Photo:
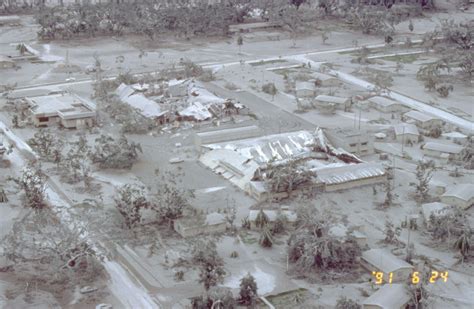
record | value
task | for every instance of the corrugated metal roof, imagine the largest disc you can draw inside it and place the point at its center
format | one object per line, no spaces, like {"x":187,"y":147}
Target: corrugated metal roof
{"x":446,"y":148}
{"x":464,"y":191}
{"x":351,"y":172}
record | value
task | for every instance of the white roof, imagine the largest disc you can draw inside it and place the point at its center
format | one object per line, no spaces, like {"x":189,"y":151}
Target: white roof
{"x":51,"y":105}
{"x":214,"y":218}
{"x":197,"y":111}
{"x":406,"y":128}
{"x":384,"y":261}
{"x":281,"y":147}
{"x":146,"y":107}
{"x":304,"y":86}
{"x":198,"y":94}
{"x":416,"y":115}
{"x":389,"y":296}
{"x":454,"y":134}
{"x":273,"y":214}
{"x":446,"y":148}
{"x":435,"y":208}
{"x":331,"y":99}
{"x":381,"y":101}
{"x":349,"y":172}
{"x":463,"y":191}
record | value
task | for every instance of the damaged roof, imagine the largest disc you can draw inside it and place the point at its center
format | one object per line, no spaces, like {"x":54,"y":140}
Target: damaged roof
{"x":145,"y":107}
{"x":277,"y":146}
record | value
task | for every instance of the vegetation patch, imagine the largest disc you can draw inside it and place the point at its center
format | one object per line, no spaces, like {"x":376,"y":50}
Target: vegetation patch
{"x":259,"y":63}
{"x":402,"y":58}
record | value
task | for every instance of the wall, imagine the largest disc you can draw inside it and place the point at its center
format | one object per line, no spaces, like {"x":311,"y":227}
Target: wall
{"x":454,"y":201}
{"x":408,"y":137}
{"x":355,"y":183}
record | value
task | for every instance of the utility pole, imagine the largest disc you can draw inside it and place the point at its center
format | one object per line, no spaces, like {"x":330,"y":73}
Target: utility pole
{"x":360,"y":113}
{"x":403,"y":139}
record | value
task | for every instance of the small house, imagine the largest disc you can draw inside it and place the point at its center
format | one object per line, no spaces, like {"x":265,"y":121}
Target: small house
{"x":305,"y":89}
{"x":197,"y":225}
{"x":381,"y":260}
{"x":422,"y":120}
{"x":65,"y":109}
{"x":443,"y":151}
{"x":389,"y":296}
{"x":406,"y":133}
{"x":433,"y":209}
{"x":386,"y":105}
{"x":337,"y":102}
{"x":354,"y":141}
{"x":272,"y":215}
{"x":456,"y":137}
{"x":460,"y":195}
{"x":324,"y":80}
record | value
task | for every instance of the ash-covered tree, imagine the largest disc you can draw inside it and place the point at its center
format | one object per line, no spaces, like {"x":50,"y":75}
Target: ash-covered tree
{"x":347,"y":303}
{"x":463,"y":244}
{"x":279,"y":226}
{"x":448,"y":225}
{"x":130,"y":202}
{"x":261,"y":220}
{"x":270,"y":89}
{"x":388,"y":201}
{"x":419,"y":295}
{"x":45,"y":144}
{"x":240,"y":42}
{"x":248,"y":291}
{"x":311,"y":249}
{"x":391,"y":233}
{"x":288,"y":16}
{"x":32,"y":182}
{"x":45,"y":249}
{"x":76,"y":162}
{"x":423,"y":176}
{"x":266,"y":238}
{"x":287,"y":177}
{"x":170,"y":201}
{"x":111,"y":153}
{"x":216,"y":298}
{"x":211,"y":265}
{"x":370,"y":21}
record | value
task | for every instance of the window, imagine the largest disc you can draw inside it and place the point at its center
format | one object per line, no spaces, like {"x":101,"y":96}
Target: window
{"x":352,"y":145}
{"x":43,"y":119}
{"x":364,"y":144}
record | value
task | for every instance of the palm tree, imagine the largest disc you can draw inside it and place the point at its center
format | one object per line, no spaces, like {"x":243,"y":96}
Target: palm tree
{"x":463,"y":244}
{"x":261,"y":220}
{"x":266,"y":239}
